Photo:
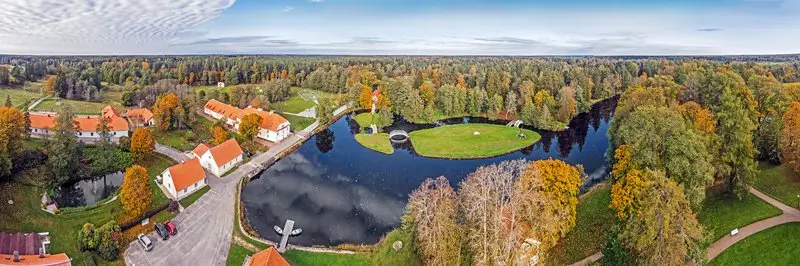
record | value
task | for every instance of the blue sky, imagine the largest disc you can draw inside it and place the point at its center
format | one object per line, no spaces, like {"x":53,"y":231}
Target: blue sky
{"x":445,"y":27}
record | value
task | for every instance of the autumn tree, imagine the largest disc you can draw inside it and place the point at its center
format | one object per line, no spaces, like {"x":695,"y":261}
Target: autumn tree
{"x":142,"y":144}
{"x":566,"y":102}
{"x":220,"y":135}
{"x":433,"y":209}
{"x":790,"y":137}
{"x":628,"y":183}
{"x":50,"y":85}
{"x":135,"y":194}
{"x":324,"y":110}
{"x":12,"y":134}
{"x":165,"y":111}
{"x":428,"y":92}
{"x":365,"y":97}
{"x":250,"y":126}
{"x":64,"y":151}
{"x":664,"y":230}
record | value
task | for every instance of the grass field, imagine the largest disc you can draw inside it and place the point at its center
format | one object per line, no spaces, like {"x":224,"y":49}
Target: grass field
{"x":722,"y":212}
{"x":25,"y":214}
{"x":378,"y":142}
{"x":80,"y":107}
{"x":237,"y":254}
{"x":460,"y":142}
{"x":779,"y":182}
{"x":187,"y":201}
{"x":295,"y":103}
{"x":592,"y":220}
{"x":304,"y":258}
{"x":18,"y":97}
{"x":298,"y":122}
{"x":775,"y":246}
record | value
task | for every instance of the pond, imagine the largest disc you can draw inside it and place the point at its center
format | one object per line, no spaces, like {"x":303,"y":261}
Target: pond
{"x":89,"y":191}
{"x":339,"y":192}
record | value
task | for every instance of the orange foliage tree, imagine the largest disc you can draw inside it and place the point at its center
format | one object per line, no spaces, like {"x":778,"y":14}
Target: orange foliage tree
{"x":50,"y":85}
{"x":220,"y":135}
{"x":790,"y":137}
{"x":702,"y":118}
{"x":365,"y":97}
{"x":165,"y":110}
{"x":12,"y":130}
{"x":427,"y":92}
{"x":135,"y":194}
{"x":250,"y":126}
{"x":142,"y":143}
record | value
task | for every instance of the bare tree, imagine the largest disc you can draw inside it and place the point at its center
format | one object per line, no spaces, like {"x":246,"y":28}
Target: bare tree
{"x":433,"y":209}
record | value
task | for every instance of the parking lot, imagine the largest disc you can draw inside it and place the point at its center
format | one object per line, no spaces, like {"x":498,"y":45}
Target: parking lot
{"x":204,"y":231}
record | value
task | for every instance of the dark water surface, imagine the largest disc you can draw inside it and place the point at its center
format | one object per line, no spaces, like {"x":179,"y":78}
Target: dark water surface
{"x":338,"y":192}
{"x":89,"y":191}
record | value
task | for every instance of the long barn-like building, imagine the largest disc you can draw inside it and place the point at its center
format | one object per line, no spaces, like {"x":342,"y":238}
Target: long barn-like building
{"x":274,"y":127}
{"x":42,"y":123}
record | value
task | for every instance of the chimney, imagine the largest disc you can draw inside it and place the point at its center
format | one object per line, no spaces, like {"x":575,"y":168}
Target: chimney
{"x":16,"y":256}
{"x":271,"y":112}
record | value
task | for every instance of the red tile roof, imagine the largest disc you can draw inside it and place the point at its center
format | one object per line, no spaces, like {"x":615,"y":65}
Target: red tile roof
{"x":226,"y":152}
{"x":186,"y":173}
{"x":269,"y":120}
{"x":24,"y":243}
{"x":268,"y":257}
{"x":224,"y":109}
{"x":109,"y":111}
{"x":143,"y":114}
{"x":59,"y":259}
{"x":200,"y":150}
{"x":83,"y":122}
{"x":44,"y":121}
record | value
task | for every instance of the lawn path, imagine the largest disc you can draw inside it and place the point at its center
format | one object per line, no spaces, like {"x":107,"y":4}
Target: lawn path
{"x":789,"y":215}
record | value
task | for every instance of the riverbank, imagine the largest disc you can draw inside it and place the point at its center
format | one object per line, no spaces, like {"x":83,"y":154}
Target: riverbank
{"x":471,"y":141}
{"x":377,"y":142}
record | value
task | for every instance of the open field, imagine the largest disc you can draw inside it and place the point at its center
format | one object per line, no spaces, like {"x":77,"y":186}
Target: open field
{"x":461,"y":142}
{"x":775,"y":246}
{"x":592,"y":220}
{"x":295,"y":103}
{"x":80,"y":107}
{"x":298,"y":122}
{"x":723,"y":212}
{"x":378,"y":142}
{"x":779,"y":182}
{"x":18,"y":97}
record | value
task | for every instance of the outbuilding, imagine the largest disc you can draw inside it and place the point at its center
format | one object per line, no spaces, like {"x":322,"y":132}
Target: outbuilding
{"x":182,"y":179}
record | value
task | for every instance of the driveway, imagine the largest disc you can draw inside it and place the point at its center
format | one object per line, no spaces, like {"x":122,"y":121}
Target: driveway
{"x":173,"y":154}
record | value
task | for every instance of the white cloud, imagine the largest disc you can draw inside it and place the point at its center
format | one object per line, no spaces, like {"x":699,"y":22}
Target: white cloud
{"x":99,"y":26}
{"x":316,"y":1}
{"x":287,"y":9}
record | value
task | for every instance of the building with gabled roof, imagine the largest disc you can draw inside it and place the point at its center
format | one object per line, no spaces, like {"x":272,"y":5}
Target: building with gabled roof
{"x":221,"y":158}
{"x":267,"y":257}
{"x":140,"y":117}
{"x":182,"y":179}
{"x":274,"y":127}
{"x":29,"y":249}
{"x":42,"y":124}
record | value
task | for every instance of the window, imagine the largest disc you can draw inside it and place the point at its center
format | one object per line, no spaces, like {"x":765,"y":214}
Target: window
{"x":91,"y":134}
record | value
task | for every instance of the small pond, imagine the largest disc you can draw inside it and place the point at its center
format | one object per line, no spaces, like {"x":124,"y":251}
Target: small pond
{"x":338,"y":192}
{"x":89,"y":191}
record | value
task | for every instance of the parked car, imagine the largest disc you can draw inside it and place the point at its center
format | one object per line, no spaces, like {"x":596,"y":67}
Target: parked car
{"x":171,"y":228}
{"x":162,"y":231}
{"x":145,"y":241}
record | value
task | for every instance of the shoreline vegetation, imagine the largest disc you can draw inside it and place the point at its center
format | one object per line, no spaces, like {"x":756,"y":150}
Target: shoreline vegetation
{"x":470,"y":141}
{"x":377,"y":142}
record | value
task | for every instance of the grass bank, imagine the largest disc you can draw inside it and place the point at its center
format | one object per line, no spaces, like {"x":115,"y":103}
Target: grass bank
{"x":298,"y":122}
{"x":592,"y":220}
{"x":723,"y":212}
{"x":19,"y":98}
{"x":461,"y":141}
{"x":187,"y":201}
{"x":378,"y":142}
{"x":775,"y":246}
{"x":366,"y":119}
{"x":80,"y":107}
{"x":779,"y":182}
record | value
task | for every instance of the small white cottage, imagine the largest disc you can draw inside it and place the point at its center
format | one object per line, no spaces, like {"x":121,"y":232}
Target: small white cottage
{"x":184,"y":178}
{"x":221,"y":158}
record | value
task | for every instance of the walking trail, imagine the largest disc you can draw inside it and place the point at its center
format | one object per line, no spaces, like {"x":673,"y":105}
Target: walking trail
{"x":789,"y":215}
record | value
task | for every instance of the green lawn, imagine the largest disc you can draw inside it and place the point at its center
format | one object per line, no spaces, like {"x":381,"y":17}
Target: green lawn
{"x":384,"y":254}
{"x":187,"y":201}
{"x":378,"y":142}
{"x":366,"y":119}
{"x":723,"y":212}
{"x":775,"y":246}
{"x":18,"y":97}
{"x":80,"y":107}
{"x":592,"y":220}
{"x":779,"y":182}
{"x":460,"y":142}
{"x":25,"y":214}
{"x":296,"y":103}
{"x":237,"y":254}
{"x":302,"y":258}
{"x":298,"y":122}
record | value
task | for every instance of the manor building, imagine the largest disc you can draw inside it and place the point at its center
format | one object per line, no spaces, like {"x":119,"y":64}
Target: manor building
{"x":274,"y":127}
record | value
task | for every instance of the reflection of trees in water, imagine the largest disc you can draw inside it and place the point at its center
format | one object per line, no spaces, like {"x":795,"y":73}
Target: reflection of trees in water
{"x":324,"y":140}
{"x":70,"y":196}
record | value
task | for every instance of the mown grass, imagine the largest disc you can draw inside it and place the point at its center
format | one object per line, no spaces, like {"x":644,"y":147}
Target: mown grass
{"x":461,"y":142}
{"x":775,"y":246}
{"x":723,"y":212}
{"x":366,"y":119}
{"x":301,"y":258}
{"x":298,"y":122}
{"x":295,"y":103}
{"x":18,"y":97}
{"x":377,"y":142}
{"x":592,"y":220}
{"x":237,"y":254}
{"x":187,"y":201}
{"x":779,"y":182}
{"x":80,"y":107}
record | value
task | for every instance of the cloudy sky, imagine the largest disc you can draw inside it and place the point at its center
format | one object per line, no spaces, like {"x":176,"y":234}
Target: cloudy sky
{"x":419,"y":27}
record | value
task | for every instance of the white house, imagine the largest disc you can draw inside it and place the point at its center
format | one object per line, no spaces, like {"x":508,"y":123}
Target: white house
{"x":140,"y":117}
{"x":220,"y":84}
{"x":221,"y":158}
{"x":86,"y":126}
{"x":274,"y":127}
{"x":184,"y":178}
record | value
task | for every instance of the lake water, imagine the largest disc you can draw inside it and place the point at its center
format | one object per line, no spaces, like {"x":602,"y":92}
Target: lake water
{"x":338,"y":192}
{"x":89,"y":191}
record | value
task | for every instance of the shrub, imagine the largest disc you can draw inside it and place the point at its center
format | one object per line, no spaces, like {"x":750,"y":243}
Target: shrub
{"x":173,"y":206}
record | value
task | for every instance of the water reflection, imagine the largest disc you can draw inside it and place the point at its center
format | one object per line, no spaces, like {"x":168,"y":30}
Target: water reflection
{"x":340,"y":192}
{"x":89,"y":191}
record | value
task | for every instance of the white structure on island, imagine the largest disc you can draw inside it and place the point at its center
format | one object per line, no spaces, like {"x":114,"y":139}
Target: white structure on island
{"x":184,"y":178}
{"x":221,"y":158}
{"x":274,"y":127}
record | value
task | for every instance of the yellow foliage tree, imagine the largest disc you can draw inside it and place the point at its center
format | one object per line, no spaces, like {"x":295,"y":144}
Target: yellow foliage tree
{"x":365,"y":97}
{"x":790,"y":137}
{"x":702,"y":118}
{"x":50,"y":85}
{"x":142,"y":143}
{"x":427,"y":92}
{"x":12,"y":130}
{"x":165,"y":110}
{"x":220,"y":135}
{"x":135,"y":194}
{"x":625,"y":193}
{"x":250,"y":126}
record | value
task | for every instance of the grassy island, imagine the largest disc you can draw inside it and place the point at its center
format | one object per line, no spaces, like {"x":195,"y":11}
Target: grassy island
{"x":461,"y":142}
{"x":378,"y":142}
{"x":366,"y":119}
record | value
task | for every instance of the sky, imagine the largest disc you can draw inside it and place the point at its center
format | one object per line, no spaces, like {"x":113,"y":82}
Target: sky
{"x":399,"y":27}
